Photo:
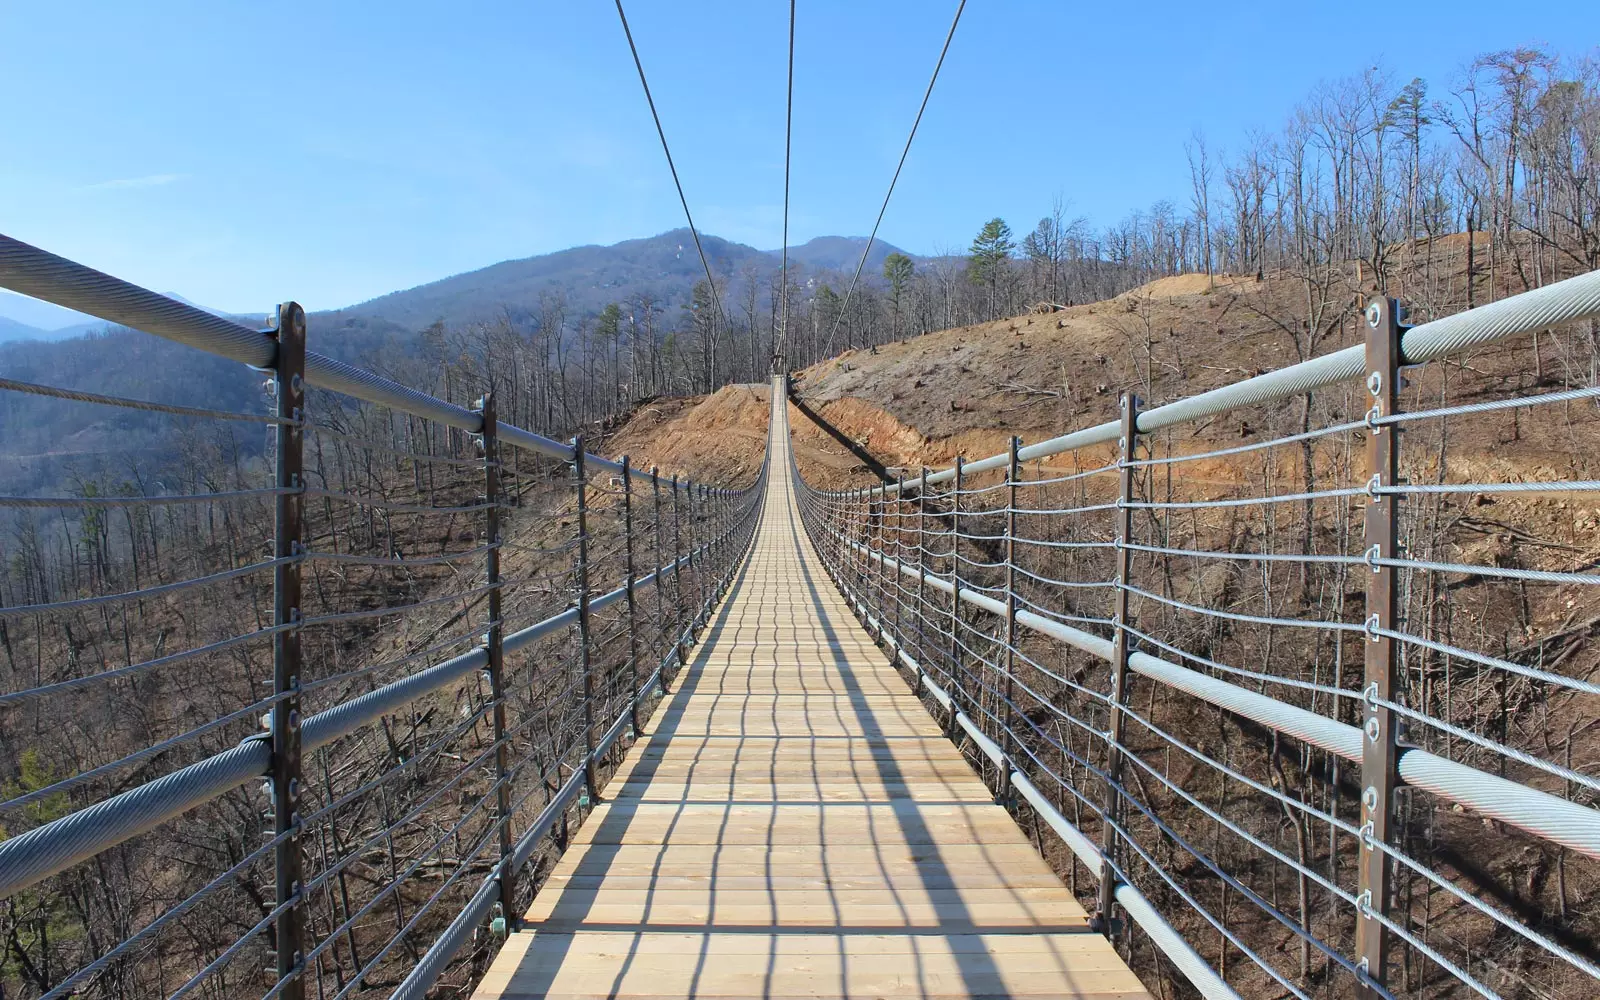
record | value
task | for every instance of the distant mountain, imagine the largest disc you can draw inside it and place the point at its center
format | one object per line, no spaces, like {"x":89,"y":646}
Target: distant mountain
{"x":840,"y":253}
{"x":45,"y":437}
{"x":663,"y":267}
{"x":39,"y":314}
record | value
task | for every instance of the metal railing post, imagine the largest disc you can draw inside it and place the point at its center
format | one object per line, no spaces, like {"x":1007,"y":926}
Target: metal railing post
{"x":585,"y":661}
{"x":681,"y":629}
{"x":1127,"y":446}
{"x":875,"y":528}
{"x":1009,"y":742}
{"x":494,"y":644}
{"x":697,"y":539}
{"x":922,"y":574}
{"x":1380,"y":532}
{"x":633,"y":609}
{"x":661,"y":582}
{"x":957,"y":671}
{"x":899,"y":561}
{"x":288,"y":544}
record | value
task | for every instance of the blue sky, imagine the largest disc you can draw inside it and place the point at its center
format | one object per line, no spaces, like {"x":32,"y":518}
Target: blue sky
{"x":244,"y":153}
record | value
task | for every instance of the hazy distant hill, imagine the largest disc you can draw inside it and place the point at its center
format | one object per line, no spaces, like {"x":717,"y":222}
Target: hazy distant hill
{"x":45,"y":438}
{"x":663,"y":267}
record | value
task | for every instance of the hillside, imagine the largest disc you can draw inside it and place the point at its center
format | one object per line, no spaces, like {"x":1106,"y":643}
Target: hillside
{"x":921,"y":402}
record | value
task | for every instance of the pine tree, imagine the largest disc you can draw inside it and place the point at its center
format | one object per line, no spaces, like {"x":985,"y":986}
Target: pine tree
{"x":988,"y":259}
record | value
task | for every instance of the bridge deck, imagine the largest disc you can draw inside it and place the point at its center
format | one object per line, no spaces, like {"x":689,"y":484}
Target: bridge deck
{"x":793,"y":824}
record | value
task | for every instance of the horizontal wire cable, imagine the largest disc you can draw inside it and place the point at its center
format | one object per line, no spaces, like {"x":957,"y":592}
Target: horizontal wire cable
{"x":322,"y":682}
{"x":36,"y":389}
{"x":347,"y":616}
{"x":72,"y":684}
{"x":1558,"y":486}
{"x":1473,"y":569}
{"x":1564,"y":396}
{"x":1240,"y":617}
{"x":69,"y":985}
{"x":1347,"y":491}
{"x":22,"y":610}
{"x":1070,"y":477}
{"x":1353,"y":425}
{"x":1256,"y":675}
{"x":370,"y":445}
{"x":1246,"y":556}
{"x":1573,"y":683}
{"x":66,"y":784}
{"x":163,"y":500}
{"x":1549,"y":767}
{"x":360,"y":560}
{"x":402,"y":508}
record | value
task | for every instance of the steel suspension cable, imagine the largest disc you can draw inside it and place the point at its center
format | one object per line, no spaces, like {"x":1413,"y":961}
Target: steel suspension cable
{"x":780,"y":349}
{"x":854,"y":280}
{"x":716,"y":304}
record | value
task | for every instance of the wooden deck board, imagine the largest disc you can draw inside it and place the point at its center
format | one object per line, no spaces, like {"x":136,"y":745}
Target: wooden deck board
{"x":793,"y":824}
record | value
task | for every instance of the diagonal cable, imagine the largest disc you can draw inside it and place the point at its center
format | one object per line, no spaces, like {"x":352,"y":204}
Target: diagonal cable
{"x":716,"y":304}
{"x":895,"y":179}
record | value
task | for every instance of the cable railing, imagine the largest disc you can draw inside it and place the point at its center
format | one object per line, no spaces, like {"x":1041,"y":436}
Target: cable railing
{"x":1308,"y":709}
{"x":315,"y":735}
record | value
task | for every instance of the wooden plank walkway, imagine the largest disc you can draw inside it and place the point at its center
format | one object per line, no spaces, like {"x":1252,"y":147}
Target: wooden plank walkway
{"x":794,"y":824}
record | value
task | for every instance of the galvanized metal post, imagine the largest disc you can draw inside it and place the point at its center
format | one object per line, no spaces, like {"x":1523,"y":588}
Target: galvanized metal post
{"x":1127,"y":447}
{"x":878,"y":533}
{"x":1381,"y":539}
{"x":661,"y":580}
{"x":922,"y":573}
{"x":899,"y":561}
{"x":580,"y":473}
{"x":633,"y":608}
{"x":288,"y":544}
{"x":681,"y":628}
{"x":1010,"y":741}
{"x":493,"y":642}
{"x":957,"y":671}
{"x":697,"y":540}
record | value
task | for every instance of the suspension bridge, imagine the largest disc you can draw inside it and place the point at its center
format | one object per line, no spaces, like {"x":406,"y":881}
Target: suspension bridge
{"x":805,"y":741}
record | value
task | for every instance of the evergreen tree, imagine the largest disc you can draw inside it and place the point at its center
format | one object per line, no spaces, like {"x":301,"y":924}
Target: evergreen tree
{"x":989,"y":260}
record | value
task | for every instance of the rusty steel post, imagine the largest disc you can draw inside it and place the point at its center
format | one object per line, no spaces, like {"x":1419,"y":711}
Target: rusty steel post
{"x":585,"y":661}
{"x":1127,"y":449}
{"x":1379,"y":756}
{"x":493,"y":643}
{"x":288,"y":544}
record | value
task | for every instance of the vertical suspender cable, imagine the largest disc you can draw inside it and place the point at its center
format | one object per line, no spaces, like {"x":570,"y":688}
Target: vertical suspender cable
{"x":780,"y":350}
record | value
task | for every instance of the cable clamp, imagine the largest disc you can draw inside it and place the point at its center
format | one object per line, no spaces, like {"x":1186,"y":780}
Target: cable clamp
{"x":1371,"y":557}
{"x":1373,"y":416}
{"x":1364,"y":904}
{"x":1375,"y":488}
{"x":1371,"y":626}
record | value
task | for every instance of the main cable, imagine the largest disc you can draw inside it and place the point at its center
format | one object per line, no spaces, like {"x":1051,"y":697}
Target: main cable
{"x":711,"y":282}
{"x":780,"y":349}
{"x":895,"y":179}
